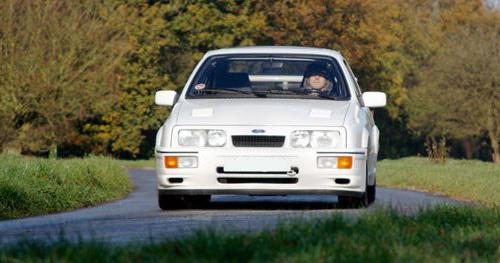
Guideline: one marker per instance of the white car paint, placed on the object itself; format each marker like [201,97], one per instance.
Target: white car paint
[264,112]
[352,119]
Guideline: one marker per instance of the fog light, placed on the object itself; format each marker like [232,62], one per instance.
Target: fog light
[170,161]
[344,162]
[327,162]
[188,161]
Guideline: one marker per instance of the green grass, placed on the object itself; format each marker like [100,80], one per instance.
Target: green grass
[449,234]
[149,163]
[35,186]
[461,179]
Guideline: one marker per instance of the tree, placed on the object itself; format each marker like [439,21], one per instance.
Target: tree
[366,32]
[167,39]
[122,129]
[459,93]
[59,62]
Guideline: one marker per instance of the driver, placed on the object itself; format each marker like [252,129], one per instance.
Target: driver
[317,80]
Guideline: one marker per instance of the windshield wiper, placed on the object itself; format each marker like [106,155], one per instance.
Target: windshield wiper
[297,92]
[258,94]
[229,91]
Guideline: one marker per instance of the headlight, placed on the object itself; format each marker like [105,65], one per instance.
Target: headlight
[216,138]
[315,139]
[192,138]
[300,139]
[325,139]
[201,138]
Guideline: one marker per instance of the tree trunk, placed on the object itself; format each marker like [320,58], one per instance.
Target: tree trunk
[53,151]
[495,149]
[468,144]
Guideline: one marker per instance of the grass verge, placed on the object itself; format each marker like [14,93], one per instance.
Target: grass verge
[148,163]
[33,186]
[451,234]
[461,179]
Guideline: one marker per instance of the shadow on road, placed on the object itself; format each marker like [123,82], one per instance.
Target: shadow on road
[269,205]
[242,202]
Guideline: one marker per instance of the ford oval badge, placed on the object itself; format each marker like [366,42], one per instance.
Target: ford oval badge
[258,131]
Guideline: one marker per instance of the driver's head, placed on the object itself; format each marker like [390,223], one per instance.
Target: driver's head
[317,77]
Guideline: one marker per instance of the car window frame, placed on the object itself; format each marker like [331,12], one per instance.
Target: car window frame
[357,88]
[208,60]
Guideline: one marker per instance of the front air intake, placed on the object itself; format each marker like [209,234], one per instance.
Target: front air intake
[257,180]
[258,141]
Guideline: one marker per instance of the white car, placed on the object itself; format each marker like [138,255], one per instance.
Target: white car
[268,121]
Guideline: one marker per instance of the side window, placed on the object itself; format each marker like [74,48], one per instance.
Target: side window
[356,86]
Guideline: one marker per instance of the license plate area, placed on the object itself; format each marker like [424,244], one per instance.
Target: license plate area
[256,164]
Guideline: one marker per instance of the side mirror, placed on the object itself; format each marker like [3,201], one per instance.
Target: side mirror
[165,97]
[374,99]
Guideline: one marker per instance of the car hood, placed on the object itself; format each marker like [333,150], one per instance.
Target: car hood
[286,112]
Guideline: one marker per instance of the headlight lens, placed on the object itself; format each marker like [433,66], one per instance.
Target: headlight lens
[216,138]
[201,138]
[192,138]
[325,139]
[315,139]
[187,161]
[300,139]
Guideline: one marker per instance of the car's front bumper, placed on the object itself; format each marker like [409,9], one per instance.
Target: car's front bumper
[209,178]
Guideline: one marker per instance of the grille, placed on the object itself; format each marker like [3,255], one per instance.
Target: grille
[258,141]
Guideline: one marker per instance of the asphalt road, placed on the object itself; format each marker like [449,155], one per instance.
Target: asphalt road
[137,218]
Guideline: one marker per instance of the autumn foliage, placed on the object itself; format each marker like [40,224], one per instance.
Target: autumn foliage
[80,78]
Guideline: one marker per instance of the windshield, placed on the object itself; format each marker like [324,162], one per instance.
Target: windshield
[264,76]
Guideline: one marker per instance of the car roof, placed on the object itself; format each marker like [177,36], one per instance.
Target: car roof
[275,50]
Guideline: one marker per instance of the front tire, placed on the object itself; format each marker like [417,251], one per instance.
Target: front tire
[365,200]
[169,202]
[372,191]
[353,201]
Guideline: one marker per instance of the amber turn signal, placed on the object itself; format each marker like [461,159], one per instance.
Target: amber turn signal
[170,161]
[344,162]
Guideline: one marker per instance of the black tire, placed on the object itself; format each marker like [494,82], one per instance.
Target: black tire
[372,192]
[353,201]
[359,202]
[171,202]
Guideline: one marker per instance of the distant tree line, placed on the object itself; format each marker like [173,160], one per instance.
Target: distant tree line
[79,78]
